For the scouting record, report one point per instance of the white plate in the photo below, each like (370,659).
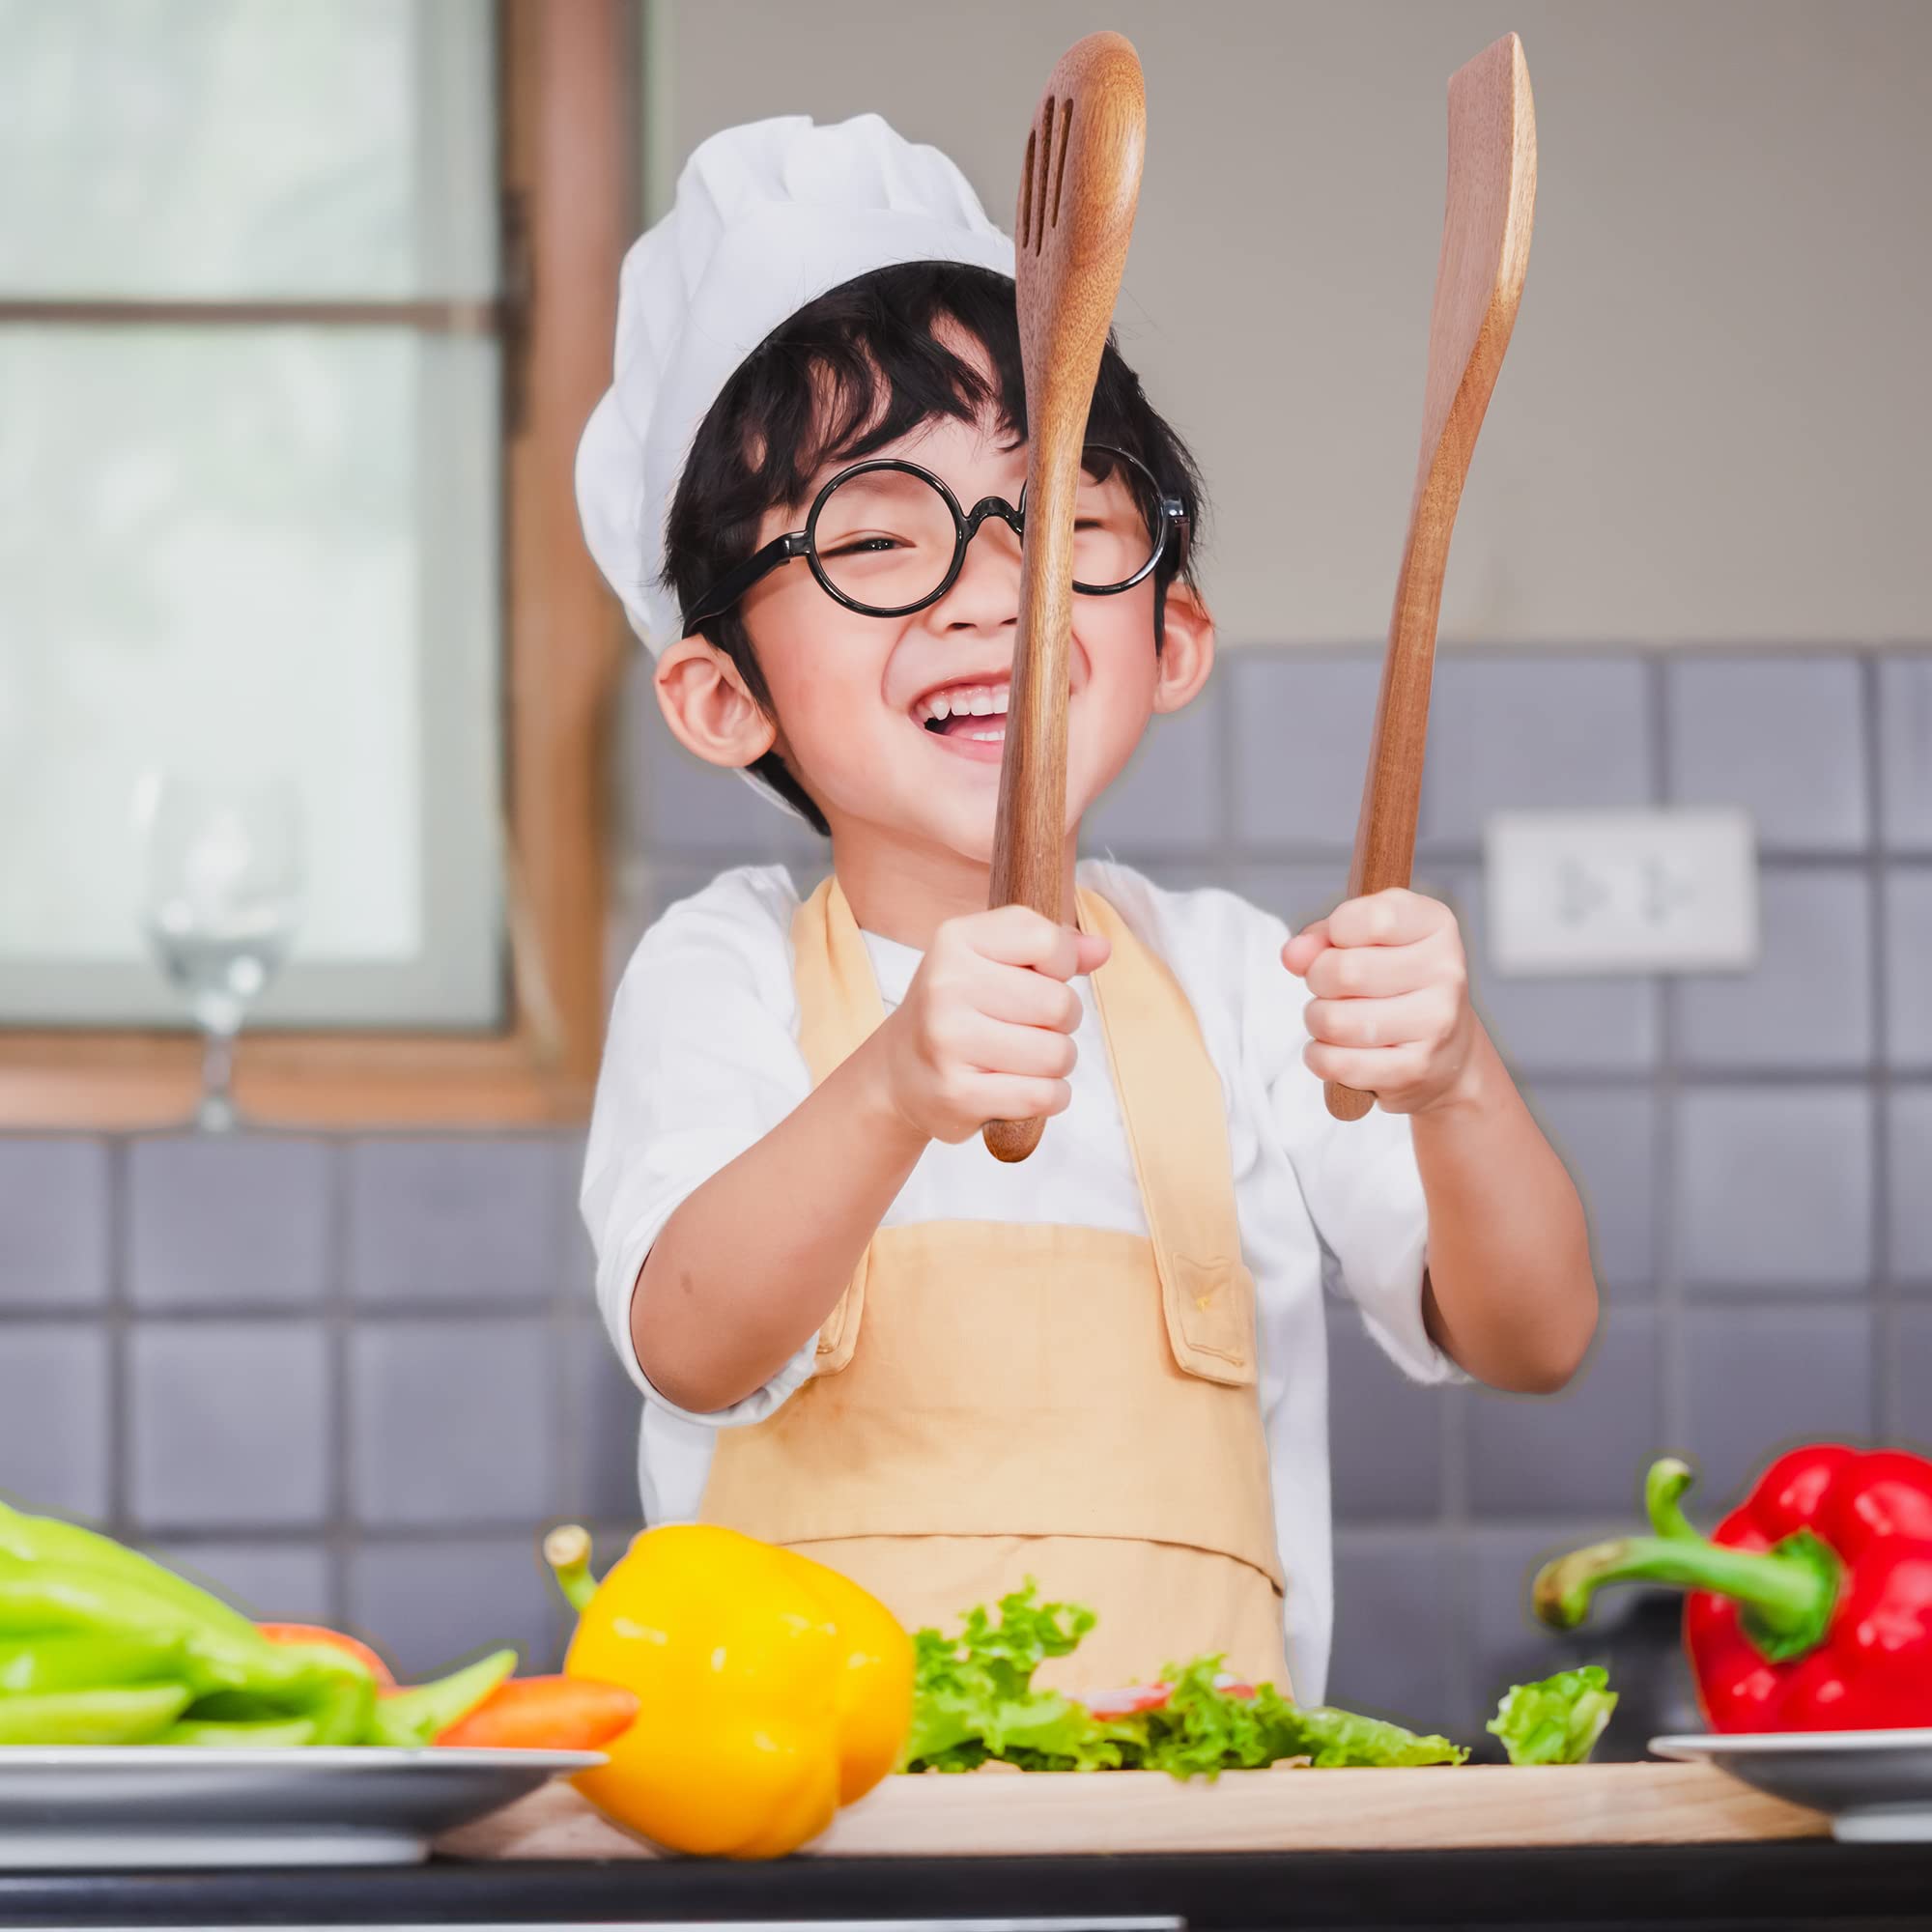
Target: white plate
(1876,1785)
(154,1805)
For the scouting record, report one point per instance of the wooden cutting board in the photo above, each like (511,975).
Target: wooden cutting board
(995,1815)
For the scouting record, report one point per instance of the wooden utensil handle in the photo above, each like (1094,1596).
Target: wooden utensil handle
(1488,209)
(1029,846)
(1392,790)
(1011,1140)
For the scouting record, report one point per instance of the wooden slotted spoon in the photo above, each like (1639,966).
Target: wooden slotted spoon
(1078,190)
(1491,202)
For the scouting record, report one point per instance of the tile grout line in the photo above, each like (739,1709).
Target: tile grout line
(1456,1515)
(116,1149)
(569,1453)
(1672,1367)
(1325,854)
(340,1538)
(1458,1534)
(1231,841)
(278,1314)
(1882,1286)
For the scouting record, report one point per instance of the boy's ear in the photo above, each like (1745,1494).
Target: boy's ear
(709,708)
(1186,648)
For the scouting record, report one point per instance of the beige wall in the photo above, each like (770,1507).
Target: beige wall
(1714,418)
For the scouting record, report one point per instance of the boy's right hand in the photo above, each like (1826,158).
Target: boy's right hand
(986,1030)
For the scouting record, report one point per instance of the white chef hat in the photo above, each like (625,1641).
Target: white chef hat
(767,217)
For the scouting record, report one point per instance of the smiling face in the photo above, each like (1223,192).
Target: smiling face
(896,725)
(888,732)
(898,722)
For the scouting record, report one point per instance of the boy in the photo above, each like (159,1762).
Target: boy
(855,1332)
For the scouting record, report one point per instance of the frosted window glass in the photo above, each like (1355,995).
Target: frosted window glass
(260,549)
(229,550)
(230,149)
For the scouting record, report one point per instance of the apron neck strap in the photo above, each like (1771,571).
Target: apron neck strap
(838,1004)
(1177,1120)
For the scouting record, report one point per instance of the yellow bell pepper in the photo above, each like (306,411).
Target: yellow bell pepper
(773,1690)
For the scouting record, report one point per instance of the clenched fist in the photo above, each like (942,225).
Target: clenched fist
(1389,1009)
(986,1030)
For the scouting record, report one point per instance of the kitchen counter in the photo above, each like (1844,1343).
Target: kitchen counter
(1596,1845)
(1801,1883)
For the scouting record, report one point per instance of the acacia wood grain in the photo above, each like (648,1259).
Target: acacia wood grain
(1079,186)
(1485,226)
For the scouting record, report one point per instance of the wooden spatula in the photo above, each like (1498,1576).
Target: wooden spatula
(1079,186)
(1478,282)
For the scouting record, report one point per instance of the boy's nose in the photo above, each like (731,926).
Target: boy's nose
(986,593)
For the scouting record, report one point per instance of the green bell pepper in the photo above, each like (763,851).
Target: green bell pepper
(128,1716)
(100,1644)
(89,1660)
(62,1606)
(38,1540)
(419,1716)
(268,1734)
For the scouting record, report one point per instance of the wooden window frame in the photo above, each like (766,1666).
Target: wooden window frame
(570,178)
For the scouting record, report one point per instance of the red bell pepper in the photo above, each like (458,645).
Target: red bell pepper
(1810,1605)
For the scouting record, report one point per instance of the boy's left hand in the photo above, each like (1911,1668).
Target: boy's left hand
(1389,1009)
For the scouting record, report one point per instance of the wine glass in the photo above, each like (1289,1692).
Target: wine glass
(223,898)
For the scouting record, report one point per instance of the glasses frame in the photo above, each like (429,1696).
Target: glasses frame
(794,544)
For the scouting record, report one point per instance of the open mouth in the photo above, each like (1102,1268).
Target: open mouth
(966,715)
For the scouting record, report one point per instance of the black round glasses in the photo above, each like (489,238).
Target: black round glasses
(886,537)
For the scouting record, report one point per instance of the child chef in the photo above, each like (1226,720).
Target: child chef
(855,1332)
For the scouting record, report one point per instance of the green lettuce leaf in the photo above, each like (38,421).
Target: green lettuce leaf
(972,1694)
(973,1702)
(1329,1737)
(1203,1730)
(1556,1721)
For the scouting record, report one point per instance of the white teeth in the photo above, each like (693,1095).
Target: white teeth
(998,737)
(963,701)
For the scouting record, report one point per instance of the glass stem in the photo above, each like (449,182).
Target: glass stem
(217,1113)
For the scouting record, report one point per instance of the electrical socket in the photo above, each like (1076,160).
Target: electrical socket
(1622,892)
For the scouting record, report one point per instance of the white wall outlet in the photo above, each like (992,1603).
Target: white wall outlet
(1622,892)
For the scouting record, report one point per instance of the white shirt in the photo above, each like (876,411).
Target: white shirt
(703,1060)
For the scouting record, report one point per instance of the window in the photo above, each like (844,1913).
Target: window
(297,331)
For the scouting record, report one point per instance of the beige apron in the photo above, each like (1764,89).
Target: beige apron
(993,1402)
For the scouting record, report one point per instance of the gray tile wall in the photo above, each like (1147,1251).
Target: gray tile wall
(344,1378)
(351,1378)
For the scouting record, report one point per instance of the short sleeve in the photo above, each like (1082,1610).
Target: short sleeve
(1365,1197)
(1358,1177)
(700,1061)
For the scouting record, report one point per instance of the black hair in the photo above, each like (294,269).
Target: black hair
(846,375)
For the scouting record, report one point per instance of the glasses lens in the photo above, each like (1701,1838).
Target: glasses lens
(1115,517)
(885,538)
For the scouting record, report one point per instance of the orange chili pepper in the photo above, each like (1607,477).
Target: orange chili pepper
(547,1714)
